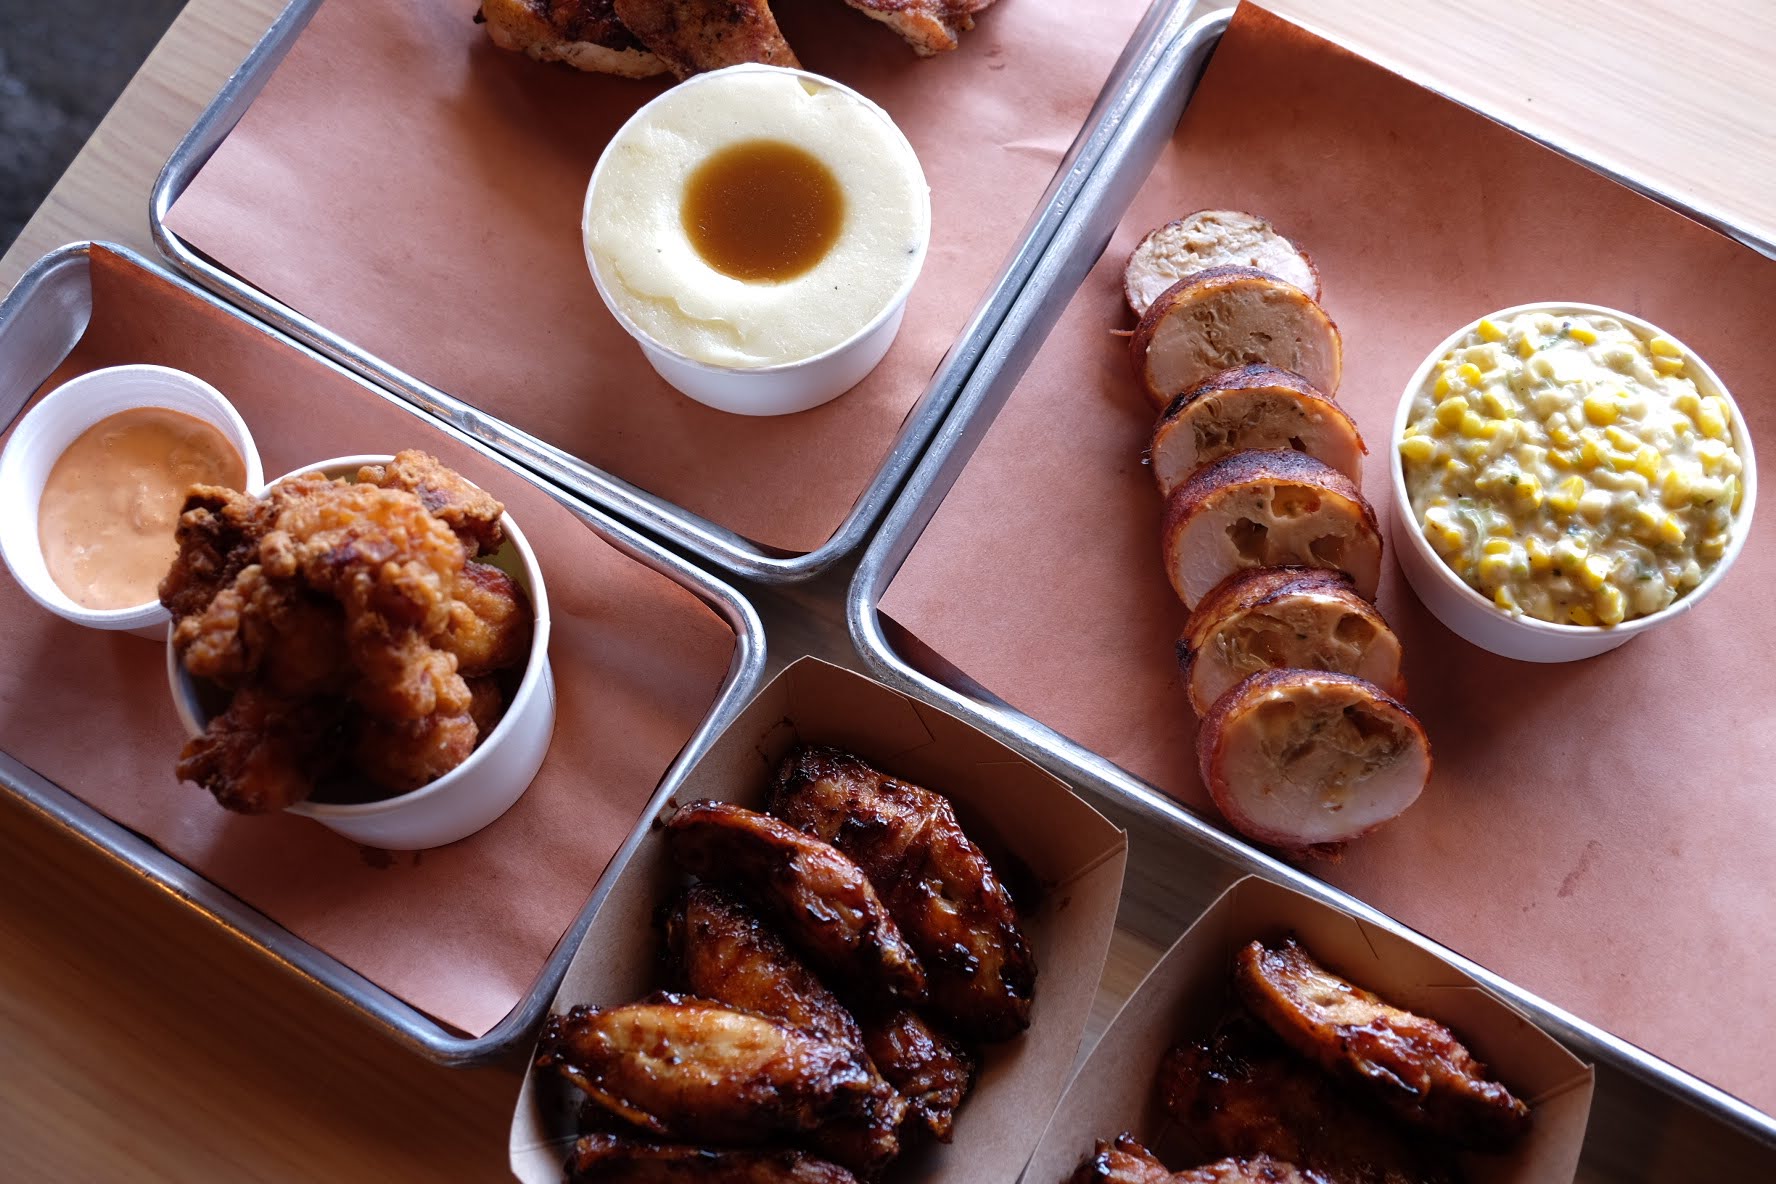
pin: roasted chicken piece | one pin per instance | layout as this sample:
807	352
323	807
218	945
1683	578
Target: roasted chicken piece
688	1069
1213	238
1267	509
721	950
932	1070
1278	618
929	26
692	36
585	34
822	902
265	752
1413	1065
1251	408
1303	759
1243	1093
619	1159
937	884
1125	1161
1223	317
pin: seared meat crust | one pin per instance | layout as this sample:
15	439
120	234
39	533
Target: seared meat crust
1121	1161
929	26
619	1159
692	36
1413	1065
585	34
931	1069
937	884
822	902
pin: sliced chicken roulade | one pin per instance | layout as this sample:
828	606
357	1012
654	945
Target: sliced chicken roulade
1225	317
1304	758
1272	618
1251	407
1268	509
1213	238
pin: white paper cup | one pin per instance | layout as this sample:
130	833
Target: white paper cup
495	775
791	386
57	421
1475	617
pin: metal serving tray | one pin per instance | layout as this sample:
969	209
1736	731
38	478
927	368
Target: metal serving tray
708	540
1134	147
40	323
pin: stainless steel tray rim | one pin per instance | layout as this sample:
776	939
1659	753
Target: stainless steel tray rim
1087	231
266	937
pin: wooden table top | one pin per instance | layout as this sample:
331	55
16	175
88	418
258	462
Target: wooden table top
140	1043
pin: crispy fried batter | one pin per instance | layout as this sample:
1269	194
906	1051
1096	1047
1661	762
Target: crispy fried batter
1413	1065
265	752
692	36
490	621
690	1069
487	705
929	26
1243	1093
467	509
937	884
218	535
723	951
619	1159
402	755
932	1070
821	900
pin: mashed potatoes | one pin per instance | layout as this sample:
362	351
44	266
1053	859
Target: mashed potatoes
652	272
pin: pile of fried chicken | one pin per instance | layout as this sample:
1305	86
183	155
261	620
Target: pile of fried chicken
641	38
831	972
365	646
1318	1081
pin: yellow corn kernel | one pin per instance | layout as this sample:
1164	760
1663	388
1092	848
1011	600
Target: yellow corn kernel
1562	435
1418	450
1441	387
1675	489
1580	615
1496	404
1688	402
1611	605
1662	346
1478	427
1668	366
1671	531
1528	492
1503	598
1594	571
1646	461
1489	330
1626	441
1468	373
1496	547
1451	410
1570	552
1600	409
1582	333
1566	458
1591	453
1712	547
1565	498
1684	427
1735	494
1527	346
1540	558
1621	462
1712	418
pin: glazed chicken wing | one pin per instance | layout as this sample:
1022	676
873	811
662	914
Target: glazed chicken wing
690	1069
939	887
822	901
619	1159
265	752
1413	1065
933	1071
1243	1093
929	26
490	622
723	951
1121	1161
469	511
692	36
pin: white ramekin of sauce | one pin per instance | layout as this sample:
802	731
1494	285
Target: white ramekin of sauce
1566	477
477	792
93	481
758	230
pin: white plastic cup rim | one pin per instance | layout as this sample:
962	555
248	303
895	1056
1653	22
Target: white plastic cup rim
51	426
761	390
1476	618
381	818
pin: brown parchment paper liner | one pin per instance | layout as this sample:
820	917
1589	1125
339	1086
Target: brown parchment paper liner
411	187
1189	989
1599	832
459	932
1077	854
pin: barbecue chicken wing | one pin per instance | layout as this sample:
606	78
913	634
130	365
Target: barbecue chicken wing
822	902
929	26
1243	1093
619	1159
690	1069
937	885
691	36
585	34
1121	1161
1414	1065
725	952
933	1071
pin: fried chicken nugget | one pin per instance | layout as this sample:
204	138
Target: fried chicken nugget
218	535
490	623
470	511
402	755
265	752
